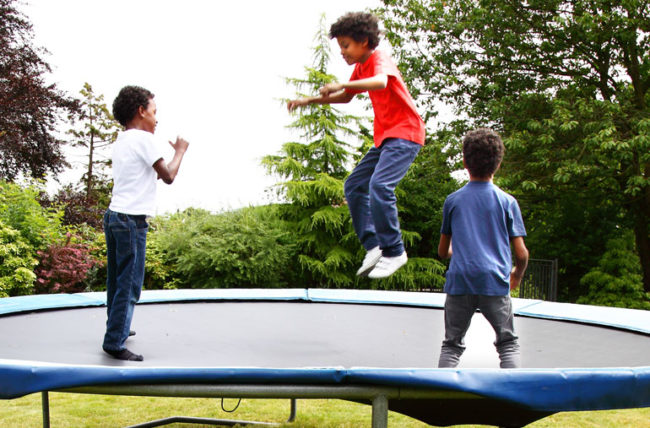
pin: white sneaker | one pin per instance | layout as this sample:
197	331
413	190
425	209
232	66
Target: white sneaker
369	262
386	266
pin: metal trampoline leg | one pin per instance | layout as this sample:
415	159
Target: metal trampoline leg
45	403
292	412
380	412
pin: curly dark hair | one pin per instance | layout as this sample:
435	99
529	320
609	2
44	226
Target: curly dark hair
359	26
126	104
483	152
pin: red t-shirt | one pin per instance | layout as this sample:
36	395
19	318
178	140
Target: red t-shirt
395	113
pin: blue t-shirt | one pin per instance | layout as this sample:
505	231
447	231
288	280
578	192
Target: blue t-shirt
481	219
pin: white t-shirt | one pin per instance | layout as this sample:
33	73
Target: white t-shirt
134	179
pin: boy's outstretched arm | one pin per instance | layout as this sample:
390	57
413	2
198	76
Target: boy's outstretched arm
337	98
168	172
334	93
444	246
521	261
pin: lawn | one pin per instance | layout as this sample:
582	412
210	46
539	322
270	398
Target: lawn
97	411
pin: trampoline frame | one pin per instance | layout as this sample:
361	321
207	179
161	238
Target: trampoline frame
377	396
382	388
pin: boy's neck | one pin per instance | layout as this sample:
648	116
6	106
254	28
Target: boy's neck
481	179
367	56
135	124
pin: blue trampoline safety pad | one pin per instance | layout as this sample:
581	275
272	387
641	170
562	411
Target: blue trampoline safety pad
627	319
542	390
539	390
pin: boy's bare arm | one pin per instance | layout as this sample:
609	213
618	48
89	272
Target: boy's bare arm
168	172
444	246
379	81
334	93
521	261
336	98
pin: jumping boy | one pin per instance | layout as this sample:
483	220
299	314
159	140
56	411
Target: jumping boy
398	137
480	222
137	163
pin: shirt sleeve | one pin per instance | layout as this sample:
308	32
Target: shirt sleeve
515	221
149	150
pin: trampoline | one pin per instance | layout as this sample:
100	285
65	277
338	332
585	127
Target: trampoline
375	347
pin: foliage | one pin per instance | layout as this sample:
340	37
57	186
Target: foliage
565	82
20	209
16	263
63	267
617	279
79	207
98	131
249	247
30	109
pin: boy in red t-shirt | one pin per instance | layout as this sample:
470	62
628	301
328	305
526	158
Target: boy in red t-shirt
398	136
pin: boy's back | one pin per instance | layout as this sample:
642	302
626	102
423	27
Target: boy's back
479	223
481	218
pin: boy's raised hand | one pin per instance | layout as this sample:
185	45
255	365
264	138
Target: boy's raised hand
294	104
181	144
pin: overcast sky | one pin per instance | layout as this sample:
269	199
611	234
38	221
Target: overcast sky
217	69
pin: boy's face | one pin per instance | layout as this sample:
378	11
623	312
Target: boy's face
353	51
149	116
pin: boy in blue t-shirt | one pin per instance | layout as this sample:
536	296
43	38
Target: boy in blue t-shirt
480	222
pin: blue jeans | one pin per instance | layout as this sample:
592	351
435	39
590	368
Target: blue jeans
126	240
459	310
370	192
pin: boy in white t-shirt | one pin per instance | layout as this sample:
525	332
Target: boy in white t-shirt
137	163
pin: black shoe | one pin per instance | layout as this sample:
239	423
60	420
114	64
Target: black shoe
125	354
131	333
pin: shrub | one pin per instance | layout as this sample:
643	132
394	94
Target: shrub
20	209
617	280
249	247
63	267
16	263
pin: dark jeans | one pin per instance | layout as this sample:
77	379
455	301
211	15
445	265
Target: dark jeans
126	240
459	311
370	193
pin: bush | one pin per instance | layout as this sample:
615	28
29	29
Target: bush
63	267
617	281
16	263
21	210
249	247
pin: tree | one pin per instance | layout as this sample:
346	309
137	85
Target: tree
30	109
565	82
99	130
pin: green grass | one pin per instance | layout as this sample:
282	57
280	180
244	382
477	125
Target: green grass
97	411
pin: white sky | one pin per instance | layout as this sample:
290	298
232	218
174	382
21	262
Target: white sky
217	69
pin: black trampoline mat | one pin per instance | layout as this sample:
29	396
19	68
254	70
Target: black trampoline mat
300	334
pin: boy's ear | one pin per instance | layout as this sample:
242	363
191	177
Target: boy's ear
141	110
